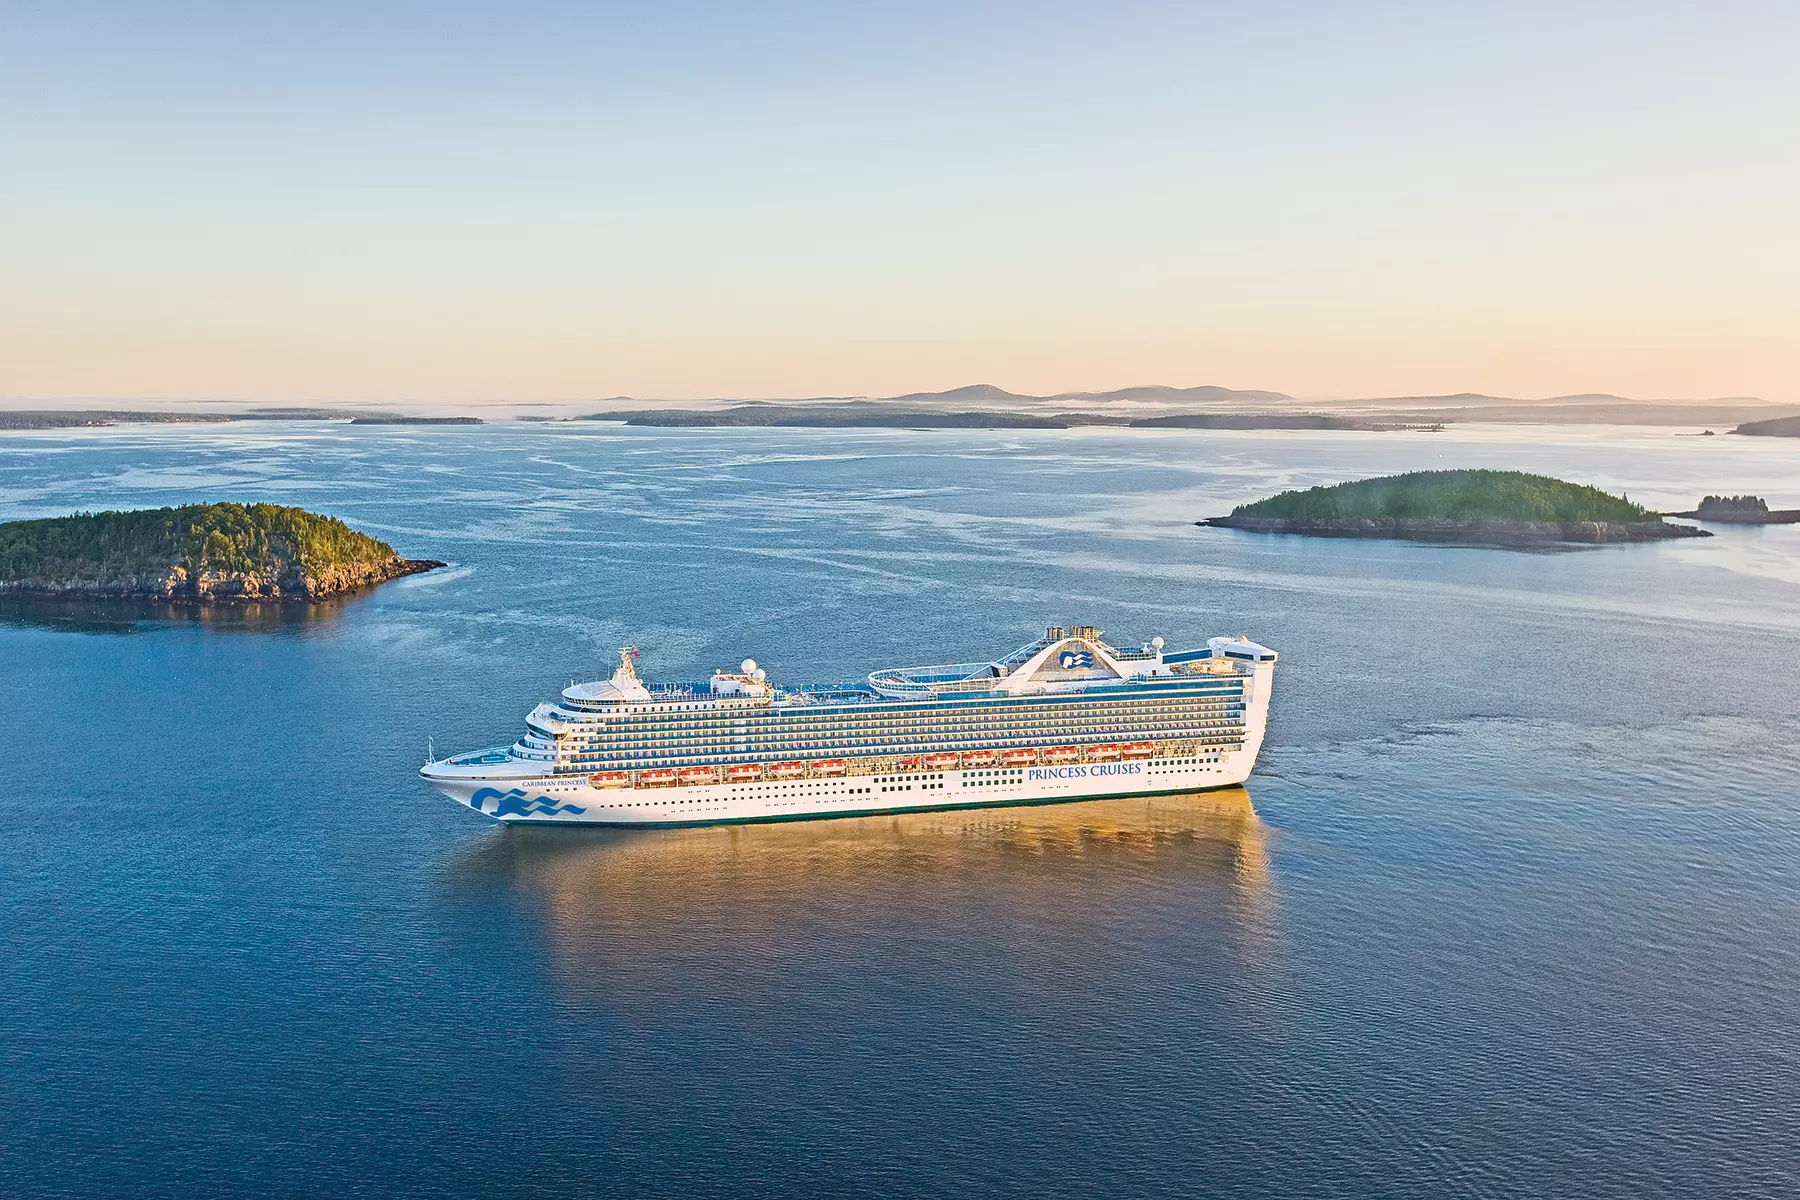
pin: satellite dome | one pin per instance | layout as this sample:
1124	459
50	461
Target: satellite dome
1157	642
749	666
760	674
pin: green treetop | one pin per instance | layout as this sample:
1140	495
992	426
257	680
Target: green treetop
1474	494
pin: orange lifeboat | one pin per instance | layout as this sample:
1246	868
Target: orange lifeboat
1138	750
697	775
937	762
1058	754
907	764
743	771
610	779
1017	758
1107	753
829	766
980	758
787	770
656	777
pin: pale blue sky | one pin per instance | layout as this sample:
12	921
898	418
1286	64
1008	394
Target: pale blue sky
558	201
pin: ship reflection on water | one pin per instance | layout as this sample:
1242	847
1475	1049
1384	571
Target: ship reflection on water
627	914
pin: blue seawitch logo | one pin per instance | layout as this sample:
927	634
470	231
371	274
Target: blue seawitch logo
514	804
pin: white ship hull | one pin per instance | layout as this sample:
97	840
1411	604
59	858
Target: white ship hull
575	802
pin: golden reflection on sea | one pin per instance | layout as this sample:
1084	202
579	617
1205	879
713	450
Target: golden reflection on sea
626	911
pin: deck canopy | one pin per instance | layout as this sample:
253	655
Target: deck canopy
623	687
1069	658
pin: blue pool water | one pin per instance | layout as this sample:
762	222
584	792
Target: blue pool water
1512	906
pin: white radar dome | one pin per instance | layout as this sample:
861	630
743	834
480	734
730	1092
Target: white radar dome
749	666
760	674
1157	642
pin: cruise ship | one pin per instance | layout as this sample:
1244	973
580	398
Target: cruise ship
1065	717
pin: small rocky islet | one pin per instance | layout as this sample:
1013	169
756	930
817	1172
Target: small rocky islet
196	554
1483	507
1741	510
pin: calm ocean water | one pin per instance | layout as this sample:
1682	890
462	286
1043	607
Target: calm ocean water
1511	908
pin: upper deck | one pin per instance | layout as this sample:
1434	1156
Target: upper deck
1065	660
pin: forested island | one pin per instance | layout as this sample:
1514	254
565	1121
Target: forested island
198	554
1777	427
1477	506
1742	510
93	418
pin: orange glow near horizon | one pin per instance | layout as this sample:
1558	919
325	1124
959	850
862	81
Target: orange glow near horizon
1334	202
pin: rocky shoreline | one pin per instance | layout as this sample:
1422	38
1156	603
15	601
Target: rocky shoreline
197	554
1777	516
176	586
1481	530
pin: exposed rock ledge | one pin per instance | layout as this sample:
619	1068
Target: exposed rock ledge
1483	530
226	587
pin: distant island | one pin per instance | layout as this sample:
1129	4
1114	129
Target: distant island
95	418
853	415
984	406
1478	506
1741	510
1778	427
85	418
1205	407
856	414
1275	421
417	421
197	554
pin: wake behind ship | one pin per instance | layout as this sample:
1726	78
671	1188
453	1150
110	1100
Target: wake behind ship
1067	717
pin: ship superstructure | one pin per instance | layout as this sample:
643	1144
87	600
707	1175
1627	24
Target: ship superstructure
1064	717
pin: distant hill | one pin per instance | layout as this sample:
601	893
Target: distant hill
975	395
199	553
1612	412
1175	397
986	394
1482	400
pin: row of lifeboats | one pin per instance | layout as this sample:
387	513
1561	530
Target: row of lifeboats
828	768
